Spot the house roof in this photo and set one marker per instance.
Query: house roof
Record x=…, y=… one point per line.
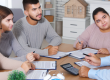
x=81, y=1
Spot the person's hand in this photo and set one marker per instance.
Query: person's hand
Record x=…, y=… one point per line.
x=103, y=51
x=36, y=56
x=53, y=50
x=27, y=65
x=79, y=46
x=93, y=59
x=48, y=47
x=83, y=71
x=30, y=57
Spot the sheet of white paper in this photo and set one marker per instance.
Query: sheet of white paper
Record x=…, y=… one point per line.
x=45, y=64
x=84, y=63
x=36, y=74
x=59, y=54
x=79, y=53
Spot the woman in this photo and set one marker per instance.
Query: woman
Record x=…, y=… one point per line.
x=8, y=41
x=96, y=35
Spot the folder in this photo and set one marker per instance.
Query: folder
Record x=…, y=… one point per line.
x=58, y=55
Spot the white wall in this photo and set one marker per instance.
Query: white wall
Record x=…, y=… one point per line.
x=4, y=2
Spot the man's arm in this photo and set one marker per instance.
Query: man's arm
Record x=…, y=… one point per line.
x=103, y=74
x=52, y=37
x=23, y=42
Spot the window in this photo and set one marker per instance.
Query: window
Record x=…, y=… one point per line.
x=68, y=9
x=80, y=10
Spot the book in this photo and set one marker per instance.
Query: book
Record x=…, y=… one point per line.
x=79, y=53
x=36, y=74
x=45, y=64
x=58, y=55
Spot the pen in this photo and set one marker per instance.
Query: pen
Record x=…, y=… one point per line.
x=79, y=41
x=86, y=55
x=33, y=51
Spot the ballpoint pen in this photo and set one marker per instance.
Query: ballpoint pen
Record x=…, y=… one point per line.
x=79, y=41
x=86, y=55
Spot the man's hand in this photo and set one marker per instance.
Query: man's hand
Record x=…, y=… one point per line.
x=48, y=47
x=93, y=60
x=103, y=51
x=83, y=71
x=30, y=57
x=53, y=50
x=36, y=56
x=27, y=65
x=79, y=46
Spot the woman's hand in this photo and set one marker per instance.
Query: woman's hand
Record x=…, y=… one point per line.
x=27, y=65
x=79, y=45
x=103, y=51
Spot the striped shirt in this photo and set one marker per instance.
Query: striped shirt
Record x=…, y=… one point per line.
x=92, y=37
x=31, y=37
x=8, y=43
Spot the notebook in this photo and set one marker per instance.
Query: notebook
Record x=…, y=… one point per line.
x=79, y=53
x=84, y=63
x=58, y=55
x=45, y=64
x=36, y=74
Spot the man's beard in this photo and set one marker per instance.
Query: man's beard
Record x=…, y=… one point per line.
x=35, y=19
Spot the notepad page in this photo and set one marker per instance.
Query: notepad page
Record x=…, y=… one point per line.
x=45, y=64
x=36, y=74
x=84, y=63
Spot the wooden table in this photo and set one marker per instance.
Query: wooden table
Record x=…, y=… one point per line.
x=66, y=48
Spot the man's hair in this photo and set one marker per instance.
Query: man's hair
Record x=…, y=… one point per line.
x=99, y=9
x=26, y=2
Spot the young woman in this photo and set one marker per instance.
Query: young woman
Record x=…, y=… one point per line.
x=96, y=35
x=8, y=41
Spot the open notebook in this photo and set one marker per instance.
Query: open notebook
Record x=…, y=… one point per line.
x=58, y=55
x=45, y=64
x=36, y=74
x=84, y=63
x=79, y=53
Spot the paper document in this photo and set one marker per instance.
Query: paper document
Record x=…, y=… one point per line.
x=59, y=55
x=84, y=63
x=36, y=74
x=79, y=53
x=45, y=64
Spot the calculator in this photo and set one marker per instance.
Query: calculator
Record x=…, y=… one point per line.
x=69, y=68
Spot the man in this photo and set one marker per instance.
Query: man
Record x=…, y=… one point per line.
x=102, y=74
x=31, y=30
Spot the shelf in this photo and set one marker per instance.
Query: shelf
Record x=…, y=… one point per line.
x=48, y=8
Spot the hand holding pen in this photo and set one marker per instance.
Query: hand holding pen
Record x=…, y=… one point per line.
x=79, y=44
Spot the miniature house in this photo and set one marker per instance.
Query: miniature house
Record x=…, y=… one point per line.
x=75, y=8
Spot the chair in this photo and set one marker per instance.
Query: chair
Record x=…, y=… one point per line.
x=18, y=13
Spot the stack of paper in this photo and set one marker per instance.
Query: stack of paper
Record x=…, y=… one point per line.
x=36, y=74
x=59, y=55
x=45, y=64
x=79, y=53
x=84, y=63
